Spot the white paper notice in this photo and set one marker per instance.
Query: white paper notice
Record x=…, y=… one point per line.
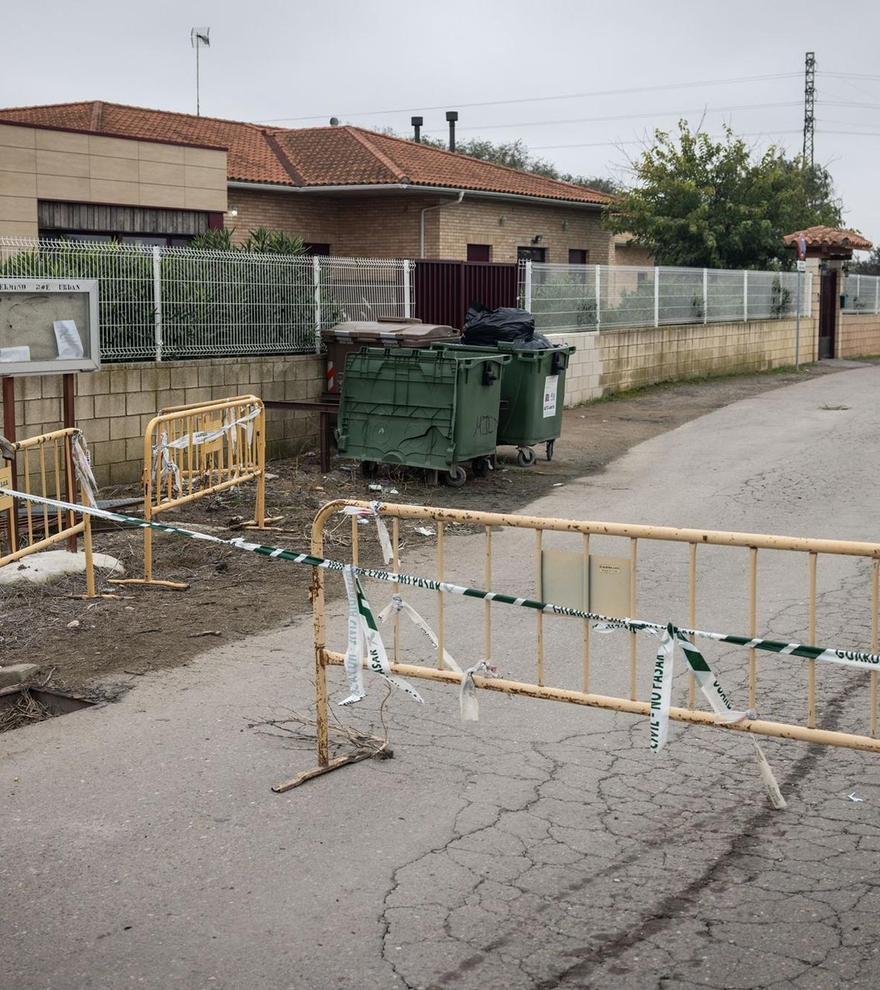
x=15, y=354
x=69, y=343
x=551, y=384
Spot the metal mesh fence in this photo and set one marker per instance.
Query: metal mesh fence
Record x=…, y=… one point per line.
x=861, y=294
x=601, y=297
x=170, y=303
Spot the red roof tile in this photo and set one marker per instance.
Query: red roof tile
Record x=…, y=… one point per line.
x=829, y=237
x=310, y=157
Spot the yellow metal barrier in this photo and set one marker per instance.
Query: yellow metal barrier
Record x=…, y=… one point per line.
x=711, y=565
x=192, y=452
x=45, y=466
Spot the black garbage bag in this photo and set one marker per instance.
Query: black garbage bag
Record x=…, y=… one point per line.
x=485, y=327
x=537, y=342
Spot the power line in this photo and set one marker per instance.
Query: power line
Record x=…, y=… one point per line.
x=545, y=99
x=848, y=103
x=630, y=116
x=614, y=144
x=848, y=75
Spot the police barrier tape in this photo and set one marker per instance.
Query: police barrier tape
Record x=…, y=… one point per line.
x=659, y=709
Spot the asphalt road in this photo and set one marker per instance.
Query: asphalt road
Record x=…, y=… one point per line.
x=543, y=846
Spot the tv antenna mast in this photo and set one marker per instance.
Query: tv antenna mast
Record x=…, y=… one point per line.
x=199, y=37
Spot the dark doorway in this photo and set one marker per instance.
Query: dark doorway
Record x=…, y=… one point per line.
x=828, y=306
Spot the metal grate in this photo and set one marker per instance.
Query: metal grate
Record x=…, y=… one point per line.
x=164, y=303
x=603, y=297
x=861, y=294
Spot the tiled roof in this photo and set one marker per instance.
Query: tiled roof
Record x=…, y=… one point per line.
x=249, y=156
x=310, y=157
x=829, y=237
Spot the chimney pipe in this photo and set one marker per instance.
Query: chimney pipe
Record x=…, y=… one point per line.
x=417, y=128
x=452, y=117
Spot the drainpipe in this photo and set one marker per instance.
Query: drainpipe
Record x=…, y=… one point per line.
x=427, y=209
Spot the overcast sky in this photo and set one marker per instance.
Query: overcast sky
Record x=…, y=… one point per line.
x=298, y=63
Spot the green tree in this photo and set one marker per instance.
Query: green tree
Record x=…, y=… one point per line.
x=870, y=266
x=711, y=203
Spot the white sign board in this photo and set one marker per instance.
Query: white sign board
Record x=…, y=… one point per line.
x=551, y=390
x=801, y=266
x=48, y=326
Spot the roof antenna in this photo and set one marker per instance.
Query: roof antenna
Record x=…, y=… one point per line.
x=199, y=37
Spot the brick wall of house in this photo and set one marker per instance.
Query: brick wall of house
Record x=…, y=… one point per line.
x=507, y=225
x=858, y=335
x=114, y=406
x=39, y=163
x=385, y=226
x=388, y=226
x=313, y=218
x=616, y=360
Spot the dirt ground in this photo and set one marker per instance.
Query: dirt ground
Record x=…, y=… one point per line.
x=234, y=594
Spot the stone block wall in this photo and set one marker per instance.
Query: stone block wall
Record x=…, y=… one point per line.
x=616, y=360
x=859, y=335
x=114, y=405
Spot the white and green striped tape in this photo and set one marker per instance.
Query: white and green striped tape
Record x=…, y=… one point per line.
x=859, y=659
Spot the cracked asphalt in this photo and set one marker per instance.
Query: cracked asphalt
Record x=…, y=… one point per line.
x=543, y=846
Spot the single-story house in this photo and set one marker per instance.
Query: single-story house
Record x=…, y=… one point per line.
x=106, y=171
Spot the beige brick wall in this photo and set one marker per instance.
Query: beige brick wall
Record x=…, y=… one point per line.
x=113, y=406
x=859, y=335
x=313, y=218
x=616, y=360
x=509, y=225
x=43, y=164
x=389, y=226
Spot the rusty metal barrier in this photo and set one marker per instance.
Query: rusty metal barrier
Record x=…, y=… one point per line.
x=46, y=465
x=727, y=557
x=193, y=452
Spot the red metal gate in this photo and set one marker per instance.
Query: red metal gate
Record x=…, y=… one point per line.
x=445, y=289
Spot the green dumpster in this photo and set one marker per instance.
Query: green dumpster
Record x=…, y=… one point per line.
x=532, y=395
x=430, y=409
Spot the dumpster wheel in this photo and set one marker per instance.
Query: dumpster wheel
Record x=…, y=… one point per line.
x=456, y=476
x=525, y=456
x=551, y=446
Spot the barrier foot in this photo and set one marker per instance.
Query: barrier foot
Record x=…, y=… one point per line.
x=253, y=524
x=336, y=764
x=176, y=585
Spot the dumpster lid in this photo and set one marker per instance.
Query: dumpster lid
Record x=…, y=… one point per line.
x=403, y=332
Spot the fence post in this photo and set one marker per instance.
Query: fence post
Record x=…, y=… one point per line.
x=598, y=296
x=157, y=301
x=316, y=277
x=407, y=304
x=705, y=295
x=656, y=295
x=858, y=287
x=527, y=286
x=746, y=296
x=877, y=295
